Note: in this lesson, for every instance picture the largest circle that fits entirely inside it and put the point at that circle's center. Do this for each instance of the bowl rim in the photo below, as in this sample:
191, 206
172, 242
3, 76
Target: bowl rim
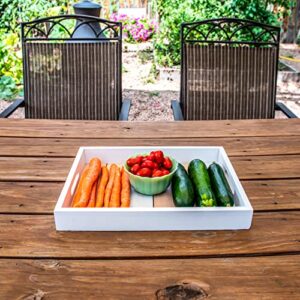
152, 179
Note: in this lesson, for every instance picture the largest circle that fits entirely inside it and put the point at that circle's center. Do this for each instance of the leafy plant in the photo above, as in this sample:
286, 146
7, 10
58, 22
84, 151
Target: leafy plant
12, 13
15, 11
10, 65
172, 13
8, 88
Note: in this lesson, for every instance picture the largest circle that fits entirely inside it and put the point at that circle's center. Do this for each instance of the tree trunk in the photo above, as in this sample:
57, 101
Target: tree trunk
293, 25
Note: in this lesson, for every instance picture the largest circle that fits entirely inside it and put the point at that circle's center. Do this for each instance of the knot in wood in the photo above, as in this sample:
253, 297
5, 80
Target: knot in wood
181, 291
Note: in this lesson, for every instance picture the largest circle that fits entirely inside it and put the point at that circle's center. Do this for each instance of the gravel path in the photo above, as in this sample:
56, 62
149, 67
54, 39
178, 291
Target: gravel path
291, 51
18, 114
150, 106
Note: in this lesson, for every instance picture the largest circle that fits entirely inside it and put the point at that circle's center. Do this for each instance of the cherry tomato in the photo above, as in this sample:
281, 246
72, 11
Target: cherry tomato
144, 172
134, 160
139, 159
155, 165
167, 163
157, 173
165, 172
148, 164
134, 169
151, 156
130, 162
159, 157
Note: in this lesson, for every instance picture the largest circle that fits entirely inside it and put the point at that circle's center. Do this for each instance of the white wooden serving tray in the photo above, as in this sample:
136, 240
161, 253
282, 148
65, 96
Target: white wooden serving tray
148, 213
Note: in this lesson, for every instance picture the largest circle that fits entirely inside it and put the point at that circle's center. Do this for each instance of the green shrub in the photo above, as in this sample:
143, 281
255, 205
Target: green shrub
172, 13
10, 65
12, 12
15, 11
8, 88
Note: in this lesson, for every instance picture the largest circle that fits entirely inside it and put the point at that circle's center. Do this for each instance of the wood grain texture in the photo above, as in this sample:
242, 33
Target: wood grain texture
57, 169
39, 197
29, 197
128, 130
273, 194
58, 147
164, 200
230, 278
267, 167
34, 169
35, 236
31, 183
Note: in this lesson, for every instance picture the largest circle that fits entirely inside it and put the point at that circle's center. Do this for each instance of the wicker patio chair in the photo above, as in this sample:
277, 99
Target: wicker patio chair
226, 76
67, 77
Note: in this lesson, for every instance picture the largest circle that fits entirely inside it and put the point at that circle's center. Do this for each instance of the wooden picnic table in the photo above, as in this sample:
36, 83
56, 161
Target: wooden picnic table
39, 263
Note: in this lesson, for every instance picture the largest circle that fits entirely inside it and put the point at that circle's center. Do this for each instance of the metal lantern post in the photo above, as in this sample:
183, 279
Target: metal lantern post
90, 29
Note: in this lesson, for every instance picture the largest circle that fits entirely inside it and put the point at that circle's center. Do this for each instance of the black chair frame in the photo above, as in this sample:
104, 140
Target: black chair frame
223, 32
41, 31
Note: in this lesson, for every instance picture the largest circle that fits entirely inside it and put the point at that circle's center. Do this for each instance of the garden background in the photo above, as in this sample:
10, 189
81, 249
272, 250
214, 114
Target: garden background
151, 52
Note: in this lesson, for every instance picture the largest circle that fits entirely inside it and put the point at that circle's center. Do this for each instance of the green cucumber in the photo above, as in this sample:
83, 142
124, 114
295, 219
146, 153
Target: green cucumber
182, 188
198, 173
220, 185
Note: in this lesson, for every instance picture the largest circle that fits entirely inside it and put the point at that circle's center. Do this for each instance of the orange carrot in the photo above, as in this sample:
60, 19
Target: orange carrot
92, 200
102, 182
125, 191
108, 190
115, 198
88, 181
79, 186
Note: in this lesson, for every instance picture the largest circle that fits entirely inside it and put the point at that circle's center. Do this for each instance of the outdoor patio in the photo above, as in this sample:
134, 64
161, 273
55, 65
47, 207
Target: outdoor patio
149, 149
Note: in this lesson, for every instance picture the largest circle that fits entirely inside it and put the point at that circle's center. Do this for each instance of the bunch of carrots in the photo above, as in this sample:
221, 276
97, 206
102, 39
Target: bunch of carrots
100, 187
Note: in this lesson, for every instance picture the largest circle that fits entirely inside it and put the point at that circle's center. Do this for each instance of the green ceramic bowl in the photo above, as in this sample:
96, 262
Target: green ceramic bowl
151, 186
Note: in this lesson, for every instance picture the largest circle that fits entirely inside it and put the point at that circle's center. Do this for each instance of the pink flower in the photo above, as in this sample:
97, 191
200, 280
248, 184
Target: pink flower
136, 29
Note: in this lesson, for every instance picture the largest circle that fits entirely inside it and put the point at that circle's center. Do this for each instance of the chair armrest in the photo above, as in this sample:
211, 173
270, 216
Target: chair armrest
125, 110
281, 106
177, 113
10, 109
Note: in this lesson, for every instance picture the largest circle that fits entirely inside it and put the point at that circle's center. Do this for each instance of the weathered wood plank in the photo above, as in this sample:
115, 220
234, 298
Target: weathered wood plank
68, 147
56, 169
34, 169
41, 197
29, 197
273, 194
126, 130
267, 167
230, 278
35, 236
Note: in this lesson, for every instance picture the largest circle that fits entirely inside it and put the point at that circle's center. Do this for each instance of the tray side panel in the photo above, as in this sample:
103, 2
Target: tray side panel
240, 197
152, 220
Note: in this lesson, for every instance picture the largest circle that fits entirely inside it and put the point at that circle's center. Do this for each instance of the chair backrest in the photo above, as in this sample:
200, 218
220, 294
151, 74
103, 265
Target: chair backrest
68, 77
228, 69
